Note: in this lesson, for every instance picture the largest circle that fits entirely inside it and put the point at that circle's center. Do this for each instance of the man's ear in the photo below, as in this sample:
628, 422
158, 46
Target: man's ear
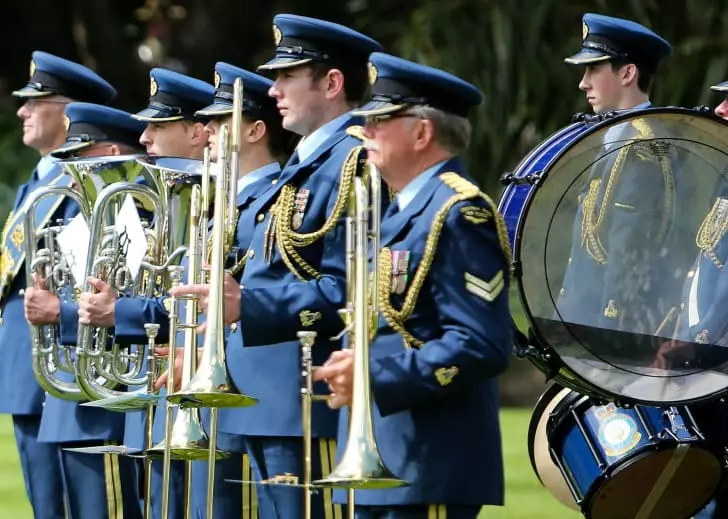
424, 134
256, 131
333, 83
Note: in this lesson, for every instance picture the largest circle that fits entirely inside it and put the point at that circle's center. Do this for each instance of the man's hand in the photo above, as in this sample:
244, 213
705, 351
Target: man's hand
338, 373
97, 309
162, 380
41, 305
231, 294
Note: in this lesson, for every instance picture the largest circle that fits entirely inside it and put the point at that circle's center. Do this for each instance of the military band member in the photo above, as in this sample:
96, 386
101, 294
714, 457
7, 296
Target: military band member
263, 143
172, 129
295, 279
445, 276
94, 486
618, 209
704, 318
53, 83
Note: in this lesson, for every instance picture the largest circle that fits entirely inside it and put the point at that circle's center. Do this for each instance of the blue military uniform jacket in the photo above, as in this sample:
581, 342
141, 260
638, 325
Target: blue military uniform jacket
434, 366
622, 226
21, 393
276, 303
704, 318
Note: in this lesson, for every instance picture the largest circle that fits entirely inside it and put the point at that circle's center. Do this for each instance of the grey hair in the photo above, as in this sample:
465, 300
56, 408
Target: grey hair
452, 132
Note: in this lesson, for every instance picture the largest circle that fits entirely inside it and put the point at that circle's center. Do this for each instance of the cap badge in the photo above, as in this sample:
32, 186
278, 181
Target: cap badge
218, 79
66, 122
277, 35
584, 30
153, 87
32, 68
372, 73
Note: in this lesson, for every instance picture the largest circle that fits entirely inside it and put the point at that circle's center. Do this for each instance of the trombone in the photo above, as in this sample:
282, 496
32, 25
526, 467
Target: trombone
361, 466
210, 386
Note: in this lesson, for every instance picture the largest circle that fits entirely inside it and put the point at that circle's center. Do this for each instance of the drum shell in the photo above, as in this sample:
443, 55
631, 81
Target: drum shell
612, 479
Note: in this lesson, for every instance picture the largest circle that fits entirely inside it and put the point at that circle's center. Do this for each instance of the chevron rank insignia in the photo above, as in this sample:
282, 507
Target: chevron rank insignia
486, 290
475, 214
445, 376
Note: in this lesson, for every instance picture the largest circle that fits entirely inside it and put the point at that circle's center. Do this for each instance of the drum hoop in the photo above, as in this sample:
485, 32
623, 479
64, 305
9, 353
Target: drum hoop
609, 119
542, 403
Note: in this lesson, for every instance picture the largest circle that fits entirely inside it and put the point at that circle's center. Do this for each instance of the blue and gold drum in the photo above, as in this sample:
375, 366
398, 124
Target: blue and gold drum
619, 227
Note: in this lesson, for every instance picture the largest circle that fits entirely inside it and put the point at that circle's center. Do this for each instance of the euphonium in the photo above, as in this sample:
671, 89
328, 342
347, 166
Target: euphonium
361, 466
88, 177
172, 180
49, 356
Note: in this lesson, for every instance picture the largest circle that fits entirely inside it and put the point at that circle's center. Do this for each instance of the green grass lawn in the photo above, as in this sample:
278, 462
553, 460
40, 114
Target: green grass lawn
525, 498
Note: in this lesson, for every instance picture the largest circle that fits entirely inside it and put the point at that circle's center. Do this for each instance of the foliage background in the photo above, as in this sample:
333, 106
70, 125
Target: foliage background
511, 49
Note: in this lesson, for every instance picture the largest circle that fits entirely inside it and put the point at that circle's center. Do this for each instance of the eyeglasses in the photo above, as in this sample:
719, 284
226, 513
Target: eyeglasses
373, 121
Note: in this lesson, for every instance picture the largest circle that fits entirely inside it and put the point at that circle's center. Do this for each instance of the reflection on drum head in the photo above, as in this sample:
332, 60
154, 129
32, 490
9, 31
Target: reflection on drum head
609, 243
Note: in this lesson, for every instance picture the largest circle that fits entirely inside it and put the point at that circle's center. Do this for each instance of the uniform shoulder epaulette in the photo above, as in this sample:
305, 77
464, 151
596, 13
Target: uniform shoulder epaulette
460, 185
356, 131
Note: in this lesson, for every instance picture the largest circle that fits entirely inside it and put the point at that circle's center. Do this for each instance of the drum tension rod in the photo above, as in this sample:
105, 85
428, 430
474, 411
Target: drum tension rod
508, 178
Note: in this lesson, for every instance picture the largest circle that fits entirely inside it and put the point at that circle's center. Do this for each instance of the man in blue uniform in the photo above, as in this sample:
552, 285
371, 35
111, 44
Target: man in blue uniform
94, 486
262, 143
618, 210
172, 129
53, 83
704, 318
443, 336
295, 279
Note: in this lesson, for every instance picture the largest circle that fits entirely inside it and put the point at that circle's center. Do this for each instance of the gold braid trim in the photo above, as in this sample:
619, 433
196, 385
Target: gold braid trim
356, 132
465, 190
590, 238
288, 240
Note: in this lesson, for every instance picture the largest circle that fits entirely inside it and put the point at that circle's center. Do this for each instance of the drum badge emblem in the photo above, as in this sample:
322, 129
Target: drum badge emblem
618, 433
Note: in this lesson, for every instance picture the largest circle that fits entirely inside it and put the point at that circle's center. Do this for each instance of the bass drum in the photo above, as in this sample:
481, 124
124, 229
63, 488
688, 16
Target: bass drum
609, 222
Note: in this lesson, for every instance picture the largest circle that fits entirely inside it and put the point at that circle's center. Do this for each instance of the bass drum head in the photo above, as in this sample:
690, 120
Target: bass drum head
538, 447
606, 255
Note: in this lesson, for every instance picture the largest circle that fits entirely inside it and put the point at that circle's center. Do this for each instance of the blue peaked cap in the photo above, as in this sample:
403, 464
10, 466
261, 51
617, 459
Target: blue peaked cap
174, 96
300, 40
398, 83
255, 93
51, 75
605, 38
88, 123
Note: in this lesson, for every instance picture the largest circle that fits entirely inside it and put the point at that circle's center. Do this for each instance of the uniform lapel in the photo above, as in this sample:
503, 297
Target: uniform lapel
393, 226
